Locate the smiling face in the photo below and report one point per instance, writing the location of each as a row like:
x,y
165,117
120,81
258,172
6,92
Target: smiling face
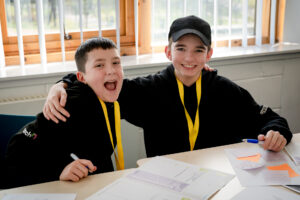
x,y
103,73
188,55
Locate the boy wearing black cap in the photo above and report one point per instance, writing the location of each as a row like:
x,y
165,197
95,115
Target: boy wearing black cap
x,y
184,107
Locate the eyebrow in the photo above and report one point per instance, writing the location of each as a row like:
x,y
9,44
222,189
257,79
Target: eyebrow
x,y
197,47
99,59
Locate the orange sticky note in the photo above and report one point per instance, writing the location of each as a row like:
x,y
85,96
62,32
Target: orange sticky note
x,y
253,158
284,166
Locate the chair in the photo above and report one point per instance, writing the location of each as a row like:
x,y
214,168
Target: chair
x,y
9,125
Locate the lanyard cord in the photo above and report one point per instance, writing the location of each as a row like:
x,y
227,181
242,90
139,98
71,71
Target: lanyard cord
x,y
193,127
120,158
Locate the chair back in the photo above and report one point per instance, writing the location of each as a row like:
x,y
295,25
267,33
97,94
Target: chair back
x,y
9,125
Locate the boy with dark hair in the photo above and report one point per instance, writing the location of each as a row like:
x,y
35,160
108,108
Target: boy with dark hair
x,y
41,151
184,107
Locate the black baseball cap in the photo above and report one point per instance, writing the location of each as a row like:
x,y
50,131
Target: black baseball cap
x,y
190,24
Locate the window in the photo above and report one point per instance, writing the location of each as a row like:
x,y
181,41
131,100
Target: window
x,y
51,24
51,16
226,18
154,19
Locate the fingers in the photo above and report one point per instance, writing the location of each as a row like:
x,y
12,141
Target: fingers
x,y
77,170
55,102
47,112
208,68
261,137
56,109
63,99
89,165
274,141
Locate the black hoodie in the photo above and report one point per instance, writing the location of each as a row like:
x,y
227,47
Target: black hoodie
x,y
41,150
227,112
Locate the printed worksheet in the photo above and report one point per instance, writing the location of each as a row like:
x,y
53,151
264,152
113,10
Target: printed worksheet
x,y
162,178
265,193
40,196
255,166
293,149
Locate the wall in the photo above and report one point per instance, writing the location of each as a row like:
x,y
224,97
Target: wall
x,y
272,79
291,21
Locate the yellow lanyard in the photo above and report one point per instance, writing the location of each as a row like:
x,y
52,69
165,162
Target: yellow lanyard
x,y
120,158
193,127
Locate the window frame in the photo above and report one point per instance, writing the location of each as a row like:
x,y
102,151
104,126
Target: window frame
x,y
266,14
127,34
53,43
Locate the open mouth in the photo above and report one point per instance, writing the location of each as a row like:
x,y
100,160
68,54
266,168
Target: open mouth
x,y
110,85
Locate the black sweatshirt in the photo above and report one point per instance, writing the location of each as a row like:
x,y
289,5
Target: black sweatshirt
x,y
41,150
227,112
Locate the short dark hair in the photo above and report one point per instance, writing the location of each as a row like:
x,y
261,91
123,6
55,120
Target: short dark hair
x,y
89,45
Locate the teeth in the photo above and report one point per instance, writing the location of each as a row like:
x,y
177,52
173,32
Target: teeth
x,y
189,66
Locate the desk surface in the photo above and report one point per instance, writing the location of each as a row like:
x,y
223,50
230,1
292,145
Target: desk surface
x,y
212,158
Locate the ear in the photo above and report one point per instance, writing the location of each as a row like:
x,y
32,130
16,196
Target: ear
x,y
80,77
168,53
209,54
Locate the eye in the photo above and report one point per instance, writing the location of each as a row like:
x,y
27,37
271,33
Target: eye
x,y
99,65
200,50
116,62
180,49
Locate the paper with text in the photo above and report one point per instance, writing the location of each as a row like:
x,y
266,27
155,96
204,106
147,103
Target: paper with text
x,y
162,178
265,193
293,149
262,167
40,196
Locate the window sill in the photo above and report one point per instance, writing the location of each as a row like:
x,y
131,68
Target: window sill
x,y
143,62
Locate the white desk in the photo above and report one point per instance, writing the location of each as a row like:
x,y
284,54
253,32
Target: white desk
x,y
213,158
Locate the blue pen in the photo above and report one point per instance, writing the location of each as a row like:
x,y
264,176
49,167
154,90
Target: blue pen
x,y
255,141
76,158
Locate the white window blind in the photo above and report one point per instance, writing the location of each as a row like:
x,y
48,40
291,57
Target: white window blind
x,y
99,17
117,11
61,29
80,20
258,22
42,42
245,23
19,33
272,21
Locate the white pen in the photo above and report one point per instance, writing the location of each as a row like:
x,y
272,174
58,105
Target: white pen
x,y
76,158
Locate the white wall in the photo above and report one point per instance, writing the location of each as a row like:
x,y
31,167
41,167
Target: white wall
x,y
291,21
272,79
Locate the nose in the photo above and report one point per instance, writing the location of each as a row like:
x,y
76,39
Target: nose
x,y
189,56
110,70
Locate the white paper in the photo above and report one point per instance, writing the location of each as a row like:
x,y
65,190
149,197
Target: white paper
x,y
163,179
293,149
125,189
265,193
261,175
39,196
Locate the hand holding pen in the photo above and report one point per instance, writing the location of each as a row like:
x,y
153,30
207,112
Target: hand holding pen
x,y
273,141
77,169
